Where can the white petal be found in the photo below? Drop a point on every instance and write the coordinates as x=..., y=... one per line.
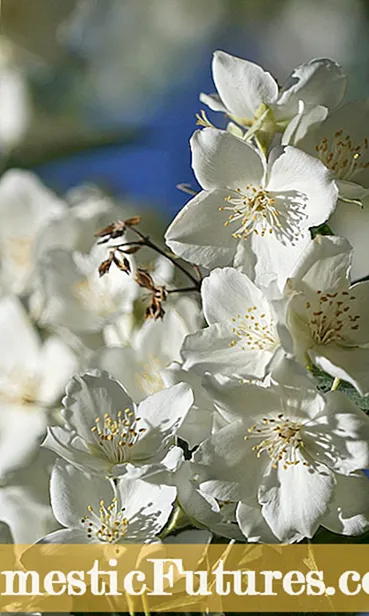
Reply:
x=17, y=337
x=228, y=468
x=340, y=435
x=58, y=364
x=89, y=396
x=162, y=415
x=221, y=160
x=318, y=82
x=67, y=536
x=71, y=448
x=21, y=432
x=352, y=221
x=307, y=180
x=243, y=86
x=198, y=233
x=213, y=101
x=348, y=512
x=253, y=525
x=324, y=265
x=124, y=365
x=148, y=507
x=275, y=257
x=73, y=491
x=295, y=499
x=212, y=350
x=227, y=292
x=348, y=364
x=198, y=422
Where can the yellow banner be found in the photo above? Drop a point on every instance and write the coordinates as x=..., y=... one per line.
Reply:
x=175, y=578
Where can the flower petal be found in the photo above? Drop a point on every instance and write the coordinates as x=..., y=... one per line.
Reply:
x=346, y=363
x=227, y=292
x=72, y=491
x=318, y=82
x=291, y=170
x=348, y=512
x=352, y=221
x=213, y=350
x=294, y=500
x=339, y=436
x=147, y=507
x=221, y=160
x=242, y=85
x=88, y=397
x=198, y=233
x=161, y=414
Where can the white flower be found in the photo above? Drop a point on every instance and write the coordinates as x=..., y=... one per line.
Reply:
x=106, y=432
x=246, y=90
x=341, y=141
x=95, y=510
x=75, y=297
x=25, y=501
x=293, y=452
x=328, y=319
x=263, y=208
x=26, y=206
x=89, y=211
x=242, y=338
x=156, y=345
x=32, y=377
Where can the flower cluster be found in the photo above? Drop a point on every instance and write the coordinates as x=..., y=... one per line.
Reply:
x=197, y=404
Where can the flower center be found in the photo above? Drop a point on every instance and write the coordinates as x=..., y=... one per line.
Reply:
x=280, y=438
x=255, y=331
x=18, y=387
x=254, y=209
x=115, y=436
x=94, y=297
x=18, y=250
x=333, y=317
x=342, y=156
x=109, y=525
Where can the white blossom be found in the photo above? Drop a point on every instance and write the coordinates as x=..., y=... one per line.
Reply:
x=108, y=433
x=327, y=317
x=32, y=378
x=263, y=208
x=242, y=338
x=95, y=510
x=294, y=452
x=26, y=207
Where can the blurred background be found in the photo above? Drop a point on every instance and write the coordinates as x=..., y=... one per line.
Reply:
x=106, y=91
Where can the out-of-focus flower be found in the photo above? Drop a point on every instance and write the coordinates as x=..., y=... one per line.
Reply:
x=26, y=207
x=32, y=378
x=74, y=296
x=106, y=432
x=156, y=345
x=327, y=318
x=95, y=510
x=25, y=501
x=264, y=208
x=297, y=447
